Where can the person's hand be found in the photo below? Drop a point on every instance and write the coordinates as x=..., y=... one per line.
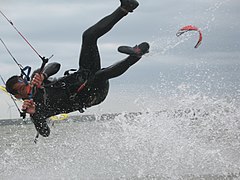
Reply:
x=28, y=106
x=37, y=80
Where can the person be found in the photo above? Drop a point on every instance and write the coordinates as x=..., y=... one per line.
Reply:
x=79, y=90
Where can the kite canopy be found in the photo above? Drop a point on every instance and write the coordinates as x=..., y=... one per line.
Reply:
x=191, y=28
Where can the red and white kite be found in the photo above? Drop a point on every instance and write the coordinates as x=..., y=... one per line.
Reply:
x=191, y=28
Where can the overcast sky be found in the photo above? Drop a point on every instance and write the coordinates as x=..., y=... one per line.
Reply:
x=55, y=27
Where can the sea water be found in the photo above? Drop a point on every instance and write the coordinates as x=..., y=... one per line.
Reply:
x=189, y=137
x=185, y=128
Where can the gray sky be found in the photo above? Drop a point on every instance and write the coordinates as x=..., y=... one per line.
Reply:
x=55, y=27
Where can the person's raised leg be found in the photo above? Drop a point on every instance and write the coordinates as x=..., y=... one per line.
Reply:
x=89, y=56
x=135, y=54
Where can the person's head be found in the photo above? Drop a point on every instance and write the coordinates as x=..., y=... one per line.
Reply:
x=16, y=86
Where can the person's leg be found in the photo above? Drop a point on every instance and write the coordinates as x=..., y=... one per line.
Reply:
x=115, y=70
x=120, y=67
x=89, y=56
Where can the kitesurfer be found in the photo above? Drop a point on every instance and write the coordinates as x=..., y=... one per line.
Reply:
x=86, y=87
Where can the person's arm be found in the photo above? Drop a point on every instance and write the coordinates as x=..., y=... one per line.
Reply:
x=28, y=106
x=37, y=80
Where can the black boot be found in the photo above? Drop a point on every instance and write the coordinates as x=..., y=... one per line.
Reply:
x=129, y=5
x=138, y=50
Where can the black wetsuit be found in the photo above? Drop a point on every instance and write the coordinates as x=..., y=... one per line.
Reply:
x=61, y=96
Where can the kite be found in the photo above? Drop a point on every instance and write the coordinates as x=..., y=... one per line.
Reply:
x=191, y=28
